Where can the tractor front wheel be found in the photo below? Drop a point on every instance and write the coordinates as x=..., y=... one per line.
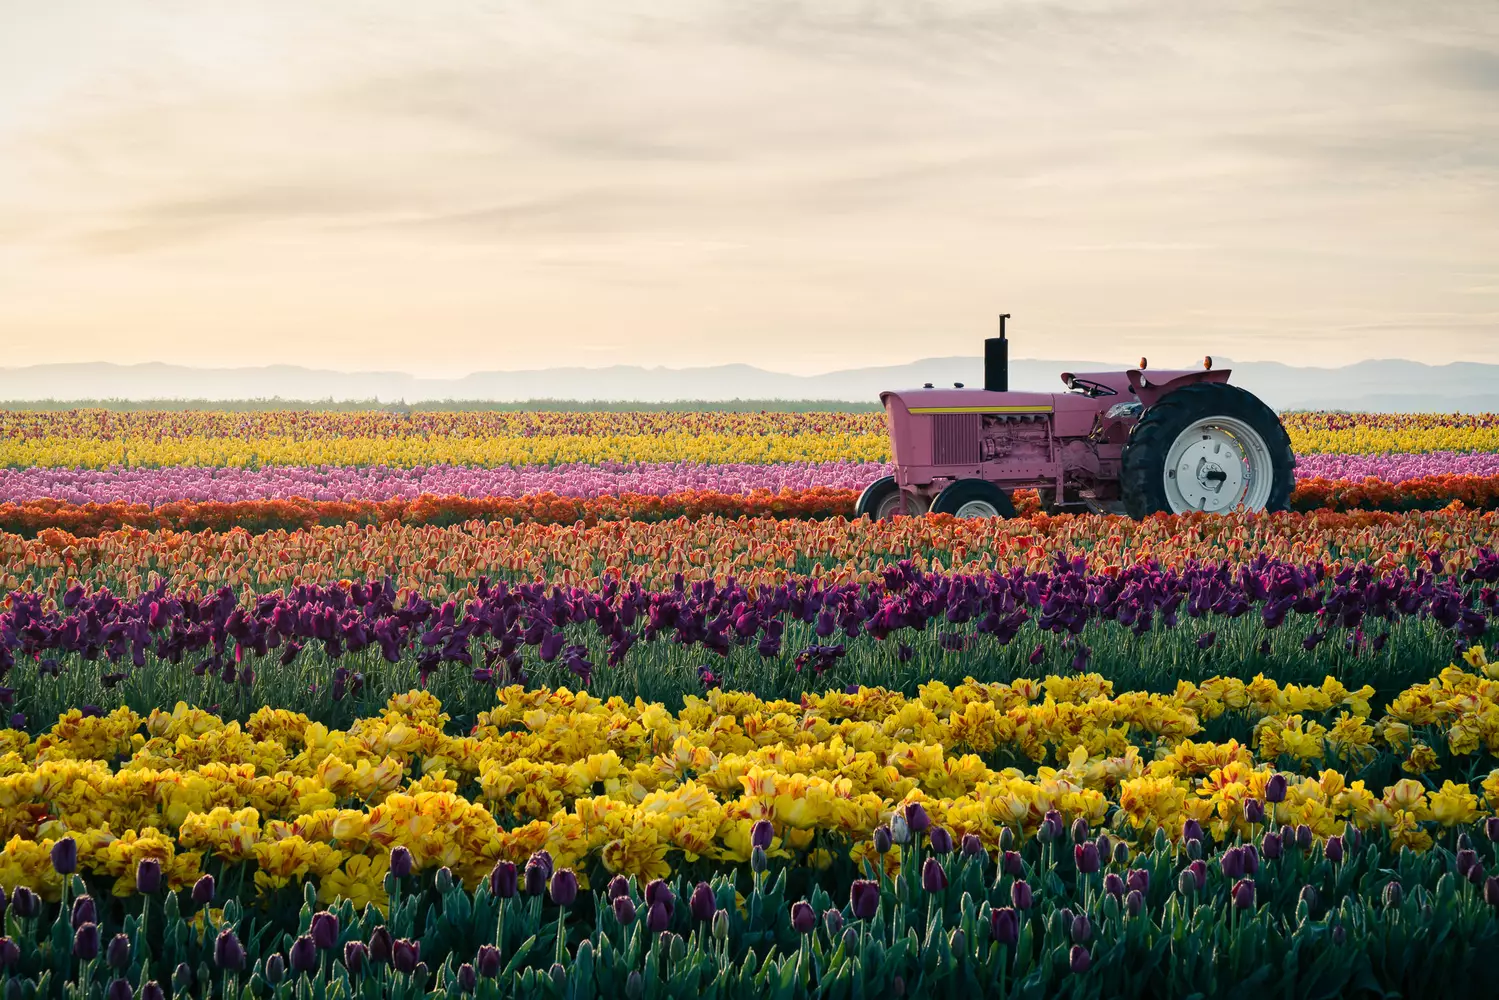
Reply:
x=974, y=498
x=1207, y=447
x=880, y=499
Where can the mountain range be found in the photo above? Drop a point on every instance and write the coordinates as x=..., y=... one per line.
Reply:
x=1377, y=386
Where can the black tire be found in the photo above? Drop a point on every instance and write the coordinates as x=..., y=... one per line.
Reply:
x=964, y=491
x=876, y=496
x=1143, y=463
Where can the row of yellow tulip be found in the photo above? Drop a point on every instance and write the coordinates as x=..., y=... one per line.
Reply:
x=637, y=788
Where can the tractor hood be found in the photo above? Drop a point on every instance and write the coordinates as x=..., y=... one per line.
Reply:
x=969, y=401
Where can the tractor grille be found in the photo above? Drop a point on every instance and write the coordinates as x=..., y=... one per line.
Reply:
x=955, y=439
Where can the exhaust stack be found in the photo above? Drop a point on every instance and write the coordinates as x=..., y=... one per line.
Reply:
x=997, y=360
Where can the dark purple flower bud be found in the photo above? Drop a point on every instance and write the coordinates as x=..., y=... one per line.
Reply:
x=1082, y=930
x=831, y=919
x=1079, y=959
x=1394, y=895
x=1476, y=874
x=564, y=887
x=324, y=930
x=1080, y=830
x=1012, y=864
x=882, y=839
x=26, y=903
x=940, y=840
x=703, y=904
x=864, y=898
x=356, y=953
x=624, y=910
x=1113, y=884
x=1244, y=893
x=1275, y=788
x=182, y=976
x=634, y=985
x=1309, y=896
x=933, y=876
x=275, y=969
x=1254, y=811
x=117, y=954
x=1199, y=870
x=916, y=817
x=1334, y=849
x=10, y=953
x=657, y=918
x=1021, y=896
x=762, y=834
x=759, y=860
x=1004, y=925
x=18, y=720
x=657, y=891
x=1006, y=838
x=303, y=954
x=972, y=846
x=1134, y=903
x=1491, y=829
x=618, y=886
x=1232, y=863
x=1186, y=884
x=1304, y=837
x=405, y=955
x=65, y=856
x=1086, y=857
x=84, y=911
x=119, y=989
x=468, y=980
x=1037, y=655
x=1191, y=830
x=203, y=890
x=536, y=879
x=1270, y=846
x=381, y=945
x=400, y=862
x=1121, y=853
x=1491, y=890
x=803, y=918
x=1138, y=879
x=153, y=991
x=488, y=962
x=1466, y=859
x=1206, y=640
x=86, y=942
x=1251, y=859
x=503, y=880
x=228, y=954
x=1339, y=935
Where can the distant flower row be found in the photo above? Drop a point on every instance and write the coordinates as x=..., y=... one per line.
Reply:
x=156, y=486
x=96, y=439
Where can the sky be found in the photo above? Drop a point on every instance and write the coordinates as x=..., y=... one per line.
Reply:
x=450, y=186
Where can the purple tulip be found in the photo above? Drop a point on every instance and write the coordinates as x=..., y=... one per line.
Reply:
x=203, y=890
x=1270, y=846
x=1021, y=896
x=624, y=910
x=1004, y=925
x=972, y=846
x=1079, y=959
x=1191, y=830
x=1138, y=880
x=1491, y=828
x=488, y=961
x=1206, y=640
x=1085, y=856
x=468, y=980
x=324, y=930
x=381, y=945
x=1254, y=811
x=803, y=918
x=405, y=955
x=1134, y=903
x=762, y=834
x=84, y=911
x=1199, y=870
x=65, y=856
x=940, y=840
x=117, y=954
x=832, y=919
x=86, y=942
x=916, y=817
x=1491, y=890
x=400, y=862
x=1304, y=837
x=657, y=919
x=504, y=880
x=10, y=953
x=1244, y=894
x=119, y=989
x=228, y=953
x=933, y=876
x=303, y=955
x=703, y=903
x=535, y=878
x=1232, y=863
x=543, y=860
x=1082, y=930
x=355, y=955
x=1394, y=895
x=1113, y=884
x=1334, y=849
x=564, y=887
x=864, y=899
x=882, y=839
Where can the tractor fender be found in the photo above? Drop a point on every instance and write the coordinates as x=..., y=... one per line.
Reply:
x=1150, y=393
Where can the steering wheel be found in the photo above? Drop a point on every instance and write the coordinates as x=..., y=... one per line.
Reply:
x=1091, y=388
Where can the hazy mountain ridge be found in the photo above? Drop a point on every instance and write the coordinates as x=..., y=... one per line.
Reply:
x=1380, y=385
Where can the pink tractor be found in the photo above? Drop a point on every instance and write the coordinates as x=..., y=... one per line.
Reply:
x=1115, y=442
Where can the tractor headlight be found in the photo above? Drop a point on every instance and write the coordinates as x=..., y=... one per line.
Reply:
x=1123, y=410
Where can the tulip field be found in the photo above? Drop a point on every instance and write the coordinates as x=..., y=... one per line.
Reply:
x=307, y=704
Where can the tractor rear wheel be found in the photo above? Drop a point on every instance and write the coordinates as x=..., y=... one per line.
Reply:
x=880, y=499
x=974, y=498
x=1207, y=447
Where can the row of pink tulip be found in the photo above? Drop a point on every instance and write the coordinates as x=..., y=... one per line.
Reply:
x=158, y=486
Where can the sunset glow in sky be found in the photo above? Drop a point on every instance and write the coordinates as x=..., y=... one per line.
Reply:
x=450, y=186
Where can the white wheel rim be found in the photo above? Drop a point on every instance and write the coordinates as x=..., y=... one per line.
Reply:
x=1216, y=465
x=978, y=508
x=888, y=507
